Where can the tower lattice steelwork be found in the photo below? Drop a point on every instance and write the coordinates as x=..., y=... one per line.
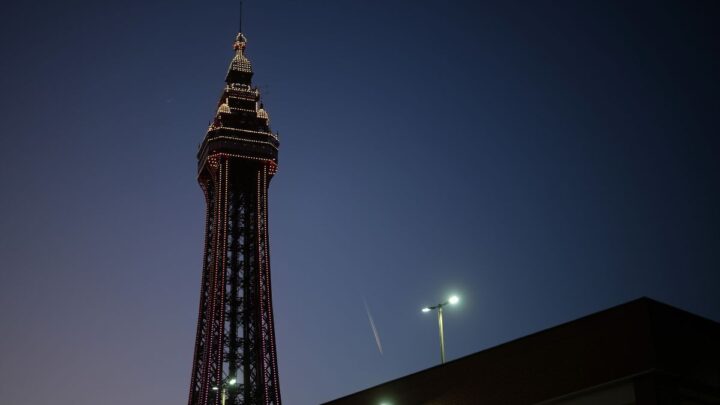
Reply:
x=235, y=360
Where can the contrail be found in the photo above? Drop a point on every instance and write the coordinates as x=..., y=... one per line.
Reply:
x=372, y=325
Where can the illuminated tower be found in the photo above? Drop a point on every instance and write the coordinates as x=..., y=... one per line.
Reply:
x=235, y=360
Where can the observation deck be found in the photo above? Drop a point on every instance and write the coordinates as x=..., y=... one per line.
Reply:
x=241, y=126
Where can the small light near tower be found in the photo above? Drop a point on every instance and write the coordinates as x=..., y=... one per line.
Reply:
x=426, y=309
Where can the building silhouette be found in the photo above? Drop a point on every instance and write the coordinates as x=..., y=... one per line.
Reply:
x=235, y=360
x=643, y=352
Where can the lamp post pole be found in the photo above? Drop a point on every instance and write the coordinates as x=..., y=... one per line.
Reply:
x=223, y=389
x=452, y=301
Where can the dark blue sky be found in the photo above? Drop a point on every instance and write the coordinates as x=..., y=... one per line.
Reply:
x=541, y=160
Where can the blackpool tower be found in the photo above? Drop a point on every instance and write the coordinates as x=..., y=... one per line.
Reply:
x=235, y=360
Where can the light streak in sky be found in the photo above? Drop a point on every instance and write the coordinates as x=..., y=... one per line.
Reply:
x=372, y=325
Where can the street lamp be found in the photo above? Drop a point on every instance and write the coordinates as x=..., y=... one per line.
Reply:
x=452, y=301
x=225, y=385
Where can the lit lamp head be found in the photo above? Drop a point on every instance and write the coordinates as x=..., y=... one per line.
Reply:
x=232, y=381
x=426, y=309
x=454, y=300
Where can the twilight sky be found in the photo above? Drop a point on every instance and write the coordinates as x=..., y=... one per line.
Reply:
x=544, y=160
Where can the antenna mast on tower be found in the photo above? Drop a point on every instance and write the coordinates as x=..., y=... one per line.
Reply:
x=240, y=19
